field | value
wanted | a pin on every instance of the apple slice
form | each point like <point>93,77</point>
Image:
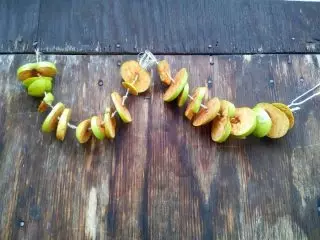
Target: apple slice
<point>29,81</point>
<point>264,122</point>
<point>195,104</point>
<point>183,97</point>
<point>122,110</point>
<point>284,108</point>
<point>47,100</point>
<point>180,80</point>
<point>227,108</point>
<point>26,71</point>
<point>244,122</point>
<point>132,89</point>
<point>37,88</point>
<point>109,124</point>
<point>63,124</point>
<point>83,134</point>
<point>164,72</point>
<point>97,127</point>
<point>280,121</point>
<point>51,120</point>
<point>131,71</point>
<point>205,116</point>
<point>46,69</point>
<point>221,129</point>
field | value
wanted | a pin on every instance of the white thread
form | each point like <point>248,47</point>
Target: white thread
<point>295,103</point>
<point>37,55</point>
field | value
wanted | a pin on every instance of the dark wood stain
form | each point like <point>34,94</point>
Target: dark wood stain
<point>160,178</point>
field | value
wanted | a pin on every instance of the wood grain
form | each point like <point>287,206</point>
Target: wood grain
<point>160,178</point>
<point>171,27</point>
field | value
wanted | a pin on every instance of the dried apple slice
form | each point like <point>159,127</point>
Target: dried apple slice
<point>244,122</point>
<point>180,80</point>
<point>227,108</point>
<point>284,108</point>
<point>122,110</point>
<point>221,129</point>
<point>164,72</point>
<point>29,81</point>
<point>47,100</point>
<point>27,71</point>
<point>280,121</point>
<point>183,97</point>
<point>109,124</point>
<point>63,124</point>
<point>264,122</point>
<point>97,127</point>
<point>195,104</point>
<point>51,120</point>
<point>205,116</point>
<point>83,134</point>
<point>132,89</point>
<point>37,88</point>
<point>47,69</point>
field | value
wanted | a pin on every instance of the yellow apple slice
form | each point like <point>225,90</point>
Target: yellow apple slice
<point>46,69</point>
<point>51,120</point>
<point>180,80</point>
<point>280,121</point>
<point>122,110</point>
<point>195,104</point>
<point>284,108</point>
<point>132,89</point>
<point>221,129</point>
<point>63,124</point>
<point>206,115</point>
<point>83,134</point>
<point>27,71</point>
<point>97,127</point>
<point>109,124</point>
<point>244,122</point>
<point>164,72</point>
<point>183,97</point>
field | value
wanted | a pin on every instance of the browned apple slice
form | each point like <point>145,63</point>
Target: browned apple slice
<point>284,108</point>
<point>244,122</point>
<point>180,80</point>
<point>221,129</point>
<point>205,116</point>
<point>63,124</point>
<point>164,72</point>
<point>27,71</point>
<point>109,124</point>
<point>195,104</point>
<point>122,110</point>
<point>83,134</point>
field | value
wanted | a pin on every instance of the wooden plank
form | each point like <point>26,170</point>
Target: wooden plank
<point>171,27</point>
<point>160,178</point>
<point>19,25</point>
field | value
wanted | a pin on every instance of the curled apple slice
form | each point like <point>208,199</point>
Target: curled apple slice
<point>164,72</point>
<point>38,88</point>
<point>122,110</point>
<point>46,69</point>
<point>180,80</point>
<point>132,89</point>
<point>97,127</point>
<point>284,108</point>
<point>183,97</point>
<point>29,81</point>
<point>195,104</point>
<point>221,129</point>
<point>83,134</point>
<point>27,71</point>
<point>244,122</point>
<point>280,121</point>
<point>51,120</point>
<point>63,124</point>
<point>206,115</point>
<point>109,124</point>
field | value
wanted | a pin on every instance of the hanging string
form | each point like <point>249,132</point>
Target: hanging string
<point>297,101</point>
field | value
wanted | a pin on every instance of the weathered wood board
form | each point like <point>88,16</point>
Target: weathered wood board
<point>179,27</point>
<point>160,178</point>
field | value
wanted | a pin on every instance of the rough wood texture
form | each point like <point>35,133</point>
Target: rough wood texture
<point>19,25</point>
<point>160,178</point>
<point>179,27</point>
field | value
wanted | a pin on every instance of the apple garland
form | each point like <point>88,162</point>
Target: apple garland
<point>265,119</point>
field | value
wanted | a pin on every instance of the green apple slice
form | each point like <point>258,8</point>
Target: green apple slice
<point>97,127</point>
<point>26,71</point>
<point>164,72</point>
<point>37,88</point>
<point>63,124</point>
<point>206,115</point>
<point>132,89</point>
<point>83,134</point>
<point>180,80</point>
<point>195,104</point>
<point>183,97</point>
<point>244,122</point>
<point>227,108</point>
<point>47,69</point>
<point>109,124</point>
<point>284,108</point>
<point>48,85</point>
<point>122,110</point>
<point>221,129</point>
<point>280,121</point>
<point>51,120</point>
<point>29,81</point>
<point>264,122</point>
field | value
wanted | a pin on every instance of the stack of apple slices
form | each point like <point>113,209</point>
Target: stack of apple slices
<point>37,77</point>
<point>265,119</point>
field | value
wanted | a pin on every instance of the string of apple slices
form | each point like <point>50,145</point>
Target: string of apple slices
<point>38,77</point>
